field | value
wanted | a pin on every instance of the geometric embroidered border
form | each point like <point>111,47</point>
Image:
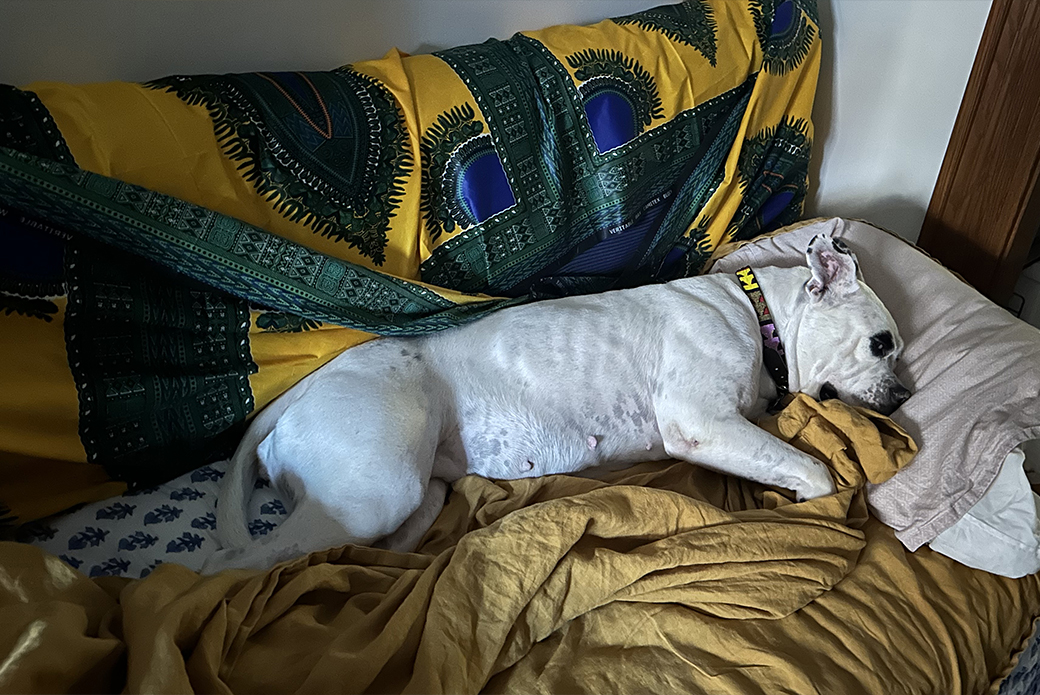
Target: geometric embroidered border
<point>226,253</point>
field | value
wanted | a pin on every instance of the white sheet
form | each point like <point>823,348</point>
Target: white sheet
<point>1001,533</point>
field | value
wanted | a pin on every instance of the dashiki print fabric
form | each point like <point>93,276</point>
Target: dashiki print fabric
<point>176,254</point>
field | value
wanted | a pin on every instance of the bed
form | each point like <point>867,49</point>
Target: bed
<point>662,577</point>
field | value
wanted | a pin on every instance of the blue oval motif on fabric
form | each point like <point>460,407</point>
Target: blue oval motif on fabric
<point>775,205</point>
<point>783,18</point>
<point>31,256</point>
<point>612,118</point>
<point>480,184</point>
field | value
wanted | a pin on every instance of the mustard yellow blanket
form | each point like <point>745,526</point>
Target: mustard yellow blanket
<point>176,254</point>
<point>665,578</point>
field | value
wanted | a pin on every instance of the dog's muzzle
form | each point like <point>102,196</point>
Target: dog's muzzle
<point>885,400</point>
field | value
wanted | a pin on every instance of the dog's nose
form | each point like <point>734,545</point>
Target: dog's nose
<point>897,396</point>
<point>900,395</point>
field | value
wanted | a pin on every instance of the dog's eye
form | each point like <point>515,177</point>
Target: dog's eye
<point>881,344</point>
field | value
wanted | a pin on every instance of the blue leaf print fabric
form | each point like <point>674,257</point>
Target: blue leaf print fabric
<point>272,507</point>
<point>113,567</point>
<point>260,527</point>
<point>206,473</point>
<point>141,491</point>
<point>140,539</point>
<point>119,510</point>
<point>133,535</point>
<point>148,570</point>
<point>188,542</point>
<point>89,536</point>
<point>71,561</point>
<point>163,514</point>
<point>206,522</point>
<point>35,531</point>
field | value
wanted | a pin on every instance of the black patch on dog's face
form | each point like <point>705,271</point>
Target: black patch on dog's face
<point>881,344</point>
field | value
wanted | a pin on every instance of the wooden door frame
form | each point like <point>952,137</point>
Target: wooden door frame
<point>985,207</point>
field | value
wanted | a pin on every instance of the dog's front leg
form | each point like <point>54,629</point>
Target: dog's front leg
<point>730,444</point>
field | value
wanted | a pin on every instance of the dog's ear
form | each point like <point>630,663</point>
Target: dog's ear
<point>834,267</point>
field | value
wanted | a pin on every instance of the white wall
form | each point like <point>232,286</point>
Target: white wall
<point>893,70</point>
<point>89,40</point>
<point>891,82</point>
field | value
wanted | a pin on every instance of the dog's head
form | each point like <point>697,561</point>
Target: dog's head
<point>847,343</point>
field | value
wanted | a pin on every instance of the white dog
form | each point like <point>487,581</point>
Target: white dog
<point>366,446</point>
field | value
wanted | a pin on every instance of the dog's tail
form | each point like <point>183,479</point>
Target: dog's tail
<point>237,486</point>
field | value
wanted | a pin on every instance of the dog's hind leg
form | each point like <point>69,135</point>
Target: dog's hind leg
<point>239,480</point>
<point>355,451</point>
<point>733,445</point>
<point>358,495</point>
<point>406,538</point>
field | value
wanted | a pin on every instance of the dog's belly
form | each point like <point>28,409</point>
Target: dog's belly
<point>538,437</point>
<point>625,424</point>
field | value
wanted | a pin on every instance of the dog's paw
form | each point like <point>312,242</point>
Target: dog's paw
<point>821,486</point>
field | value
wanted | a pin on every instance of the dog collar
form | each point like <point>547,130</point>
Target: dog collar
<point>773,356</point>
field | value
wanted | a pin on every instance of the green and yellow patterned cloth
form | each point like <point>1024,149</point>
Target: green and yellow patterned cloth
<point>174,255</point>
